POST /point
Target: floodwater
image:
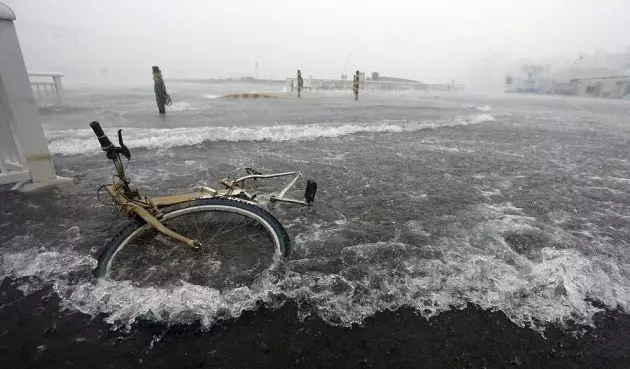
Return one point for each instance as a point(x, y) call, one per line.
point(426, 200)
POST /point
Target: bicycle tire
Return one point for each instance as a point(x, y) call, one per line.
point(258, 217)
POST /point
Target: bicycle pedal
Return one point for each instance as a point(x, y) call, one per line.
point(311, 190)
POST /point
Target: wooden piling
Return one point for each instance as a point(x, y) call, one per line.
point(355, 86)
point(161, 97)
point(300, 83)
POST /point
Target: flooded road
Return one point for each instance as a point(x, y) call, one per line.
point(426, 202)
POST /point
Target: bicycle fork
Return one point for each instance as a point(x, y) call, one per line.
point(155, 223)
point(151, 219)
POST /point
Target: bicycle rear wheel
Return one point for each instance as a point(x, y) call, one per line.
point(239, 241)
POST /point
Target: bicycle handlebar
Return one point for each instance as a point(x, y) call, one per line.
point(112, 152)
point(106, 144)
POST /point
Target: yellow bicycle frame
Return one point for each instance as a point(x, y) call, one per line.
point(149, 208)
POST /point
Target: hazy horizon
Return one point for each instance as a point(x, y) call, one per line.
point(119, 41)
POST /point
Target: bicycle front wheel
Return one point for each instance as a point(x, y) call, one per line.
point(239, 241)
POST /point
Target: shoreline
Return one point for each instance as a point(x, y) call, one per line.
point(37, 334)
point(228, 81)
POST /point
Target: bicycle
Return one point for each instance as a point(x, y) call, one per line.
point(162, 225)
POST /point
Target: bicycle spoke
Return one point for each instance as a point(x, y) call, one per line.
point(210, 217)
point(242, 238)
point(231, 229)
point(235, 249)
point(195, 222)
point(222, 226)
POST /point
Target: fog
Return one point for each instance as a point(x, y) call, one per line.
point(117, 41)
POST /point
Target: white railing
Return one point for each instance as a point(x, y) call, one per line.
point(46, 90)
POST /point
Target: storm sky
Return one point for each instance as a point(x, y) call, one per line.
point(428, 40)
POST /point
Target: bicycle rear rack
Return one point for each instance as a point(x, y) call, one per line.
point(237, 187)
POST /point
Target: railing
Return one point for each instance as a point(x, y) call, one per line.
point(47, 91)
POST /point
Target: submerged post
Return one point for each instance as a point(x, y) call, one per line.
point(300, 83)
point(355, 86)
point(161, 97)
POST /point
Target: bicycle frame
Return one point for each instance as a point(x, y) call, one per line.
point(149, 208)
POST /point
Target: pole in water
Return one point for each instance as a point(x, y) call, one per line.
point(300, 83)
point(355, 86)
point(161, 97)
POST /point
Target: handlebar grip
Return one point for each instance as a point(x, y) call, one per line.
point(106, 144)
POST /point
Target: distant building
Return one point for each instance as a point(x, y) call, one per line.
point(600, 74)
point(533, 78)
point(611, 87)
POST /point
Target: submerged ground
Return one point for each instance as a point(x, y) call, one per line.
point(449, 230)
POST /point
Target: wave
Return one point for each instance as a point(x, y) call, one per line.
point(533, 286)
point(81, 141)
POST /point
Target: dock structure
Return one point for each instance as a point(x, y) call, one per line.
point(324, 84)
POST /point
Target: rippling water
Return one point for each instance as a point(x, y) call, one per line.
point(514, 203)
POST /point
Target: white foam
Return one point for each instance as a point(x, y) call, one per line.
point(481, 118)
point(484, 108)
point(124, 302)
point(210, 96)
point(181, 106)
point(81, 141)
point(471, 264)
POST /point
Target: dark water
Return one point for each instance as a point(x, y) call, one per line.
point(513, 203)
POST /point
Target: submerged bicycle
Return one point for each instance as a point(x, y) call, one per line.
point(180, 236)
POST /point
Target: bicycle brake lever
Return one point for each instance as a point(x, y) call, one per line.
point(252, 171)
point(123, 148)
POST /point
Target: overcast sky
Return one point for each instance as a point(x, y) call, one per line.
point(432, 41)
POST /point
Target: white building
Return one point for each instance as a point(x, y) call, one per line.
point(615, 87)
